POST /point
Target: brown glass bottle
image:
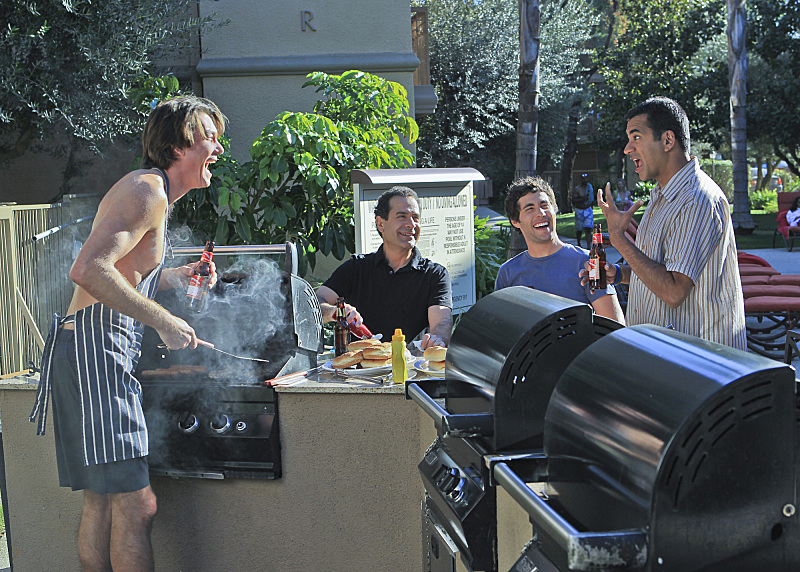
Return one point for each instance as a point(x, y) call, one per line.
point(597, 261)
point(200, 282)
point(340, 329)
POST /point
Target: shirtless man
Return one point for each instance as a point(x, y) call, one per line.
point(90, 355)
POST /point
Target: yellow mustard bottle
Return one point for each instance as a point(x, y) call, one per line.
point(399, 371)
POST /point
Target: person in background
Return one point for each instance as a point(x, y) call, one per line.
point(394, 287)
point(90, 355)
point(624, 201)
point(549, 264)
point(793, 216)
point(581, 197)
point(682, 269)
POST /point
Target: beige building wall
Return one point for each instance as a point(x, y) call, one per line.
point(255, 66)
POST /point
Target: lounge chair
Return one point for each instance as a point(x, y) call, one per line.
point(788, 233)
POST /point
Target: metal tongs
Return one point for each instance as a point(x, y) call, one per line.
point(212, 347)
point(345, 375)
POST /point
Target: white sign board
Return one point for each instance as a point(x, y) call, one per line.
point(447, 234)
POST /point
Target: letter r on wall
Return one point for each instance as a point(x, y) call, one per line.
point(305, 20)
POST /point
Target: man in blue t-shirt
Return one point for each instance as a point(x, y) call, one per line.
point(549, 264)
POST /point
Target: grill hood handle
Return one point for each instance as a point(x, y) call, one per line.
point(448, 424)
point(584, 550)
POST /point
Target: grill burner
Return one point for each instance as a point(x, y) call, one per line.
point(210, 415)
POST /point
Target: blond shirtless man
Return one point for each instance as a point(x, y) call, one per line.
point(90, 355)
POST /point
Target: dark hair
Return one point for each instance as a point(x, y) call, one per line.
point(522, 187)
point(664, 114)
point(382, 207)
point(795, 204)
point(171, 125)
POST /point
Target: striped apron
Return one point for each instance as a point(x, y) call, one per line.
point(107, 347)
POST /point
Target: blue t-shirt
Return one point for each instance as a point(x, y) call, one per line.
point(556, 274)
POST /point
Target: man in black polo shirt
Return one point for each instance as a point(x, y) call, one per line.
point(394, 287)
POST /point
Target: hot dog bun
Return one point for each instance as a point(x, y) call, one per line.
point(368, 363)
point(347, 359)
point(362, 344)
point(436, 365)
point(435, 353)
point(380, 351)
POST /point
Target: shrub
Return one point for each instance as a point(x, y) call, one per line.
point(766, 200)
point(491, 245)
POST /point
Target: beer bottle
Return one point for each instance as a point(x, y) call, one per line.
point(200, 282)
point(340, 329)
point(597, 260)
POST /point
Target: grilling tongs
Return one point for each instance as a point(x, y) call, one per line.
point(211, 347)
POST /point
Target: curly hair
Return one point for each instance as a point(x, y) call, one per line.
point(522, 187)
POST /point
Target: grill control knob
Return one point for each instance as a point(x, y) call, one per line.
point(241, 427)
point(458, 492)
point(220, 424)
point(188, 424)
point(448, 481)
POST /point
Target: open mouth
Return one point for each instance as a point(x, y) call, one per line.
point(543, 224)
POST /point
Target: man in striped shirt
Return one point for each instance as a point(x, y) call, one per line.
point(89, 357)
point(682, 269)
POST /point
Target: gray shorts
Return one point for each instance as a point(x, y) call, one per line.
point(117, 477)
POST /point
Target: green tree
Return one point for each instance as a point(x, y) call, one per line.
point(71, 66)
point(474, 51)
point(655, 53)
point(297, 184)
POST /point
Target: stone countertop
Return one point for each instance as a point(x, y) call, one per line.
point(24, 381)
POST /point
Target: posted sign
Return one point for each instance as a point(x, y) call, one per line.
point(447, 234)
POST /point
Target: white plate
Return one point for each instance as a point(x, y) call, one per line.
point(423, 366)
point(328, 366)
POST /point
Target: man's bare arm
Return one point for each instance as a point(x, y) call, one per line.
point(671, 287)
point(609, 307)
point(137, 210)
point(327, 302)
point(440, 325)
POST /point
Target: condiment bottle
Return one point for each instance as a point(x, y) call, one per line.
point(200, 282)
point(361, 332)
point(340, 329)
point(399, 371)
point(597, 260)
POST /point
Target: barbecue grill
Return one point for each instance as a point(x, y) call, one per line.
point(211, 415)
point(664, 452)
point(504, 360)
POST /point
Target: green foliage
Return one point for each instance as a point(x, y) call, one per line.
point(474, 63)
point(656, 53)
point(297, 184)
point(491, 245)
point(643, 190)
point(722, 173)
point(765, 200)
point(72, 65)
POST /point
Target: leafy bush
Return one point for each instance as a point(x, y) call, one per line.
point(722, 173)
point(297, 184)
point(491, 245)
point(642, 190)
point(766, 200)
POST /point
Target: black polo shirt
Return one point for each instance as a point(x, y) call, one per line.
point(387, 299)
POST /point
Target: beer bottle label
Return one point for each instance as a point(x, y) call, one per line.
point(206, 257)
point(193, 291)
point(594, 270)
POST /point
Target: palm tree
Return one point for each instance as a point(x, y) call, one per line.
point(737, 78)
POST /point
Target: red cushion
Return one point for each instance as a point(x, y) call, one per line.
point(771, 304)
point(784, 279)
point(755, 279)
point(770, 290)
point(745, 258)
point(756, 270)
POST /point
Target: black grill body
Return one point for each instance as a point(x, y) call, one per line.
point(223, 422)
point(506, 356)
point(691, 442)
